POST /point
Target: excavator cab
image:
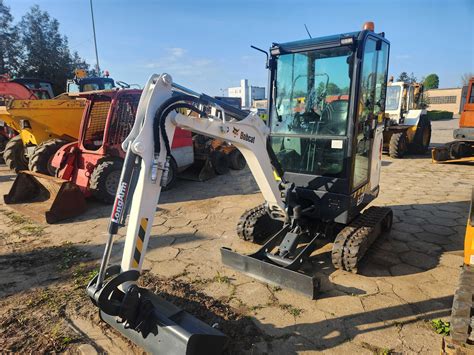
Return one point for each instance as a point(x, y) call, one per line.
point(326, 108)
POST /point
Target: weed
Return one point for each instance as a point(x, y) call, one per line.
point(256, 308)
point(83, 275)
point(376, 349)
point(441, 327)
point(15, 217)
point(221, 278)
point(276, 288)
point(31, 230)
point(70, 255)
point(295, 312)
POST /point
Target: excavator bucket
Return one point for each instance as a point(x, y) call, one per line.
point(45, 198)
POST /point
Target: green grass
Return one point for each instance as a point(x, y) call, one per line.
point(221, 278)
point(70, 255)
point(295, 312)
point(15, 217)
point(440, 326)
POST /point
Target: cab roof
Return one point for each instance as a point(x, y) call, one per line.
point(312, 43)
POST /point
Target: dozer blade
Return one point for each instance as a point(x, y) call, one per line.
point(45, 198)
point(201, 170)
point(175, 331)
point(264, 270)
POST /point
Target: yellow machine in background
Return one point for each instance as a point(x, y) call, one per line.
point(408, 128)
point(43, 126)
point(46, 125)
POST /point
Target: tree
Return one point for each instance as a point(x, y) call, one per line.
point(431, 82)
point(9, 42)
point(46, 52)
point(407, 78)
point(465, 78)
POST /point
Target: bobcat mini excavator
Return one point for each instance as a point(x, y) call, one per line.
point(326, 157)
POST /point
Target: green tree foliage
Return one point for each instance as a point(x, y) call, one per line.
point(46, 52)
point(9, 42)
point(431, 82)
point(407, 78)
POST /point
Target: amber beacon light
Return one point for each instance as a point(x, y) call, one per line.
point(369, 26)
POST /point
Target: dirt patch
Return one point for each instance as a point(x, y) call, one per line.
point(239, 327)
point(37, 319)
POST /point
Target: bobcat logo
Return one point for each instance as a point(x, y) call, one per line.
point(235, 131)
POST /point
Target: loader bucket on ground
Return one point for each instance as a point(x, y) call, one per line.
point(176, 332)
point(45, 198)
point(201, 170)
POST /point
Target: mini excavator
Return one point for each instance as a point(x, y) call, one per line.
point(317, 164)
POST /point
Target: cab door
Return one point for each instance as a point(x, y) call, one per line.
point(370, 110)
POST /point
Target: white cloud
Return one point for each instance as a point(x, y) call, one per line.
point(177, 61)
point(176, 52)
point(403, 56)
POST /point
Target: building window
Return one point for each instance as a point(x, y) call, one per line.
point(441, 100)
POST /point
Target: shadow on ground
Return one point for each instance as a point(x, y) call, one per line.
point(24, 270)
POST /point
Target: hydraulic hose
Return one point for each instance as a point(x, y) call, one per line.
point(183, 101)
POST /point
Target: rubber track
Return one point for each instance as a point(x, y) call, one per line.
point(354, 240)
point(462, 313)
point(256, 225)
point(248, 220)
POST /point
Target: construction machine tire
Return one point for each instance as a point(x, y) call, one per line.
point(421, 141)
point(172, 175)
point(398, 145)
point(256, 225)
point(105, 178)
point(220, 162)
point(3, 144)
point(43, 154)
point(14, 155)
point(237, 160)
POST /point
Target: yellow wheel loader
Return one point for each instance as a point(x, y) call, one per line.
point(408, 129)
point(461, 339)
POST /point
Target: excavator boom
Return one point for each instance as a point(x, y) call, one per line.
point(145, 169)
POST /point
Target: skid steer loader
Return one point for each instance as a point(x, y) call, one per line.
point(327, 157)
point(462, 149)
point(408, 129)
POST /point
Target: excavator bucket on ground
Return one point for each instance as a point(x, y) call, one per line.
point(45, 198)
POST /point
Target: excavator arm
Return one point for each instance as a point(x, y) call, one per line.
point(145, 318)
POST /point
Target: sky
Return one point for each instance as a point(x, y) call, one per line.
point(205, 44)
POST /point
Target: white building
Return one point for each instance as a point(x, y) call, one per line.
point(247, 93)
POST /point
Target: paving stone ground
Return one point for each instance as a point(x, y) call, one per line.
point(407, 278)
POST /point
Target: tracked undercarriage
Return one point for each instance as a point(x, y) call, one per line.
point(288, 249)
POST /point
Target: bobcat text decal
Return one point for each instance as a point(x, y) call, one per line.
point(245, 137)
